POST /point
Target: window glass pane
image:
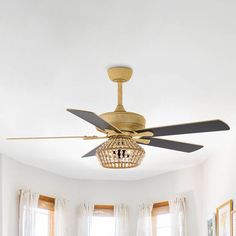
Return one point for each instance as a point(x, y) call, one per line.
point(103, 226)
point(43, 222)
point(163, 225)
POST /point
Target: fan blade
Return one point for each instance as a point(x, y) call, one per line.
point(198, 127)
point(173, 145)
point(59, 137)
point(94, 119)
point(92, 152)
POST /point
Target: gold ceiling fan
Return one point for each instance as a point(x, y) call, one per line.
point(126, 130)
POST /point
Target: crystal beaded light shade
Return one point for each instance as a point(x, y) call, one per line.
point(120, 152)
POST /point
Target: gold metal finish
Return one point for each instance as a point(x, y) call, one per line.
point(109, 133)
point(143, 141)
point(120, 73)
point(125, 121)
point(120, 93)
point(59, 137)
point(94, 137)
point(143, 134)
point(122, 150)
point(120, 106)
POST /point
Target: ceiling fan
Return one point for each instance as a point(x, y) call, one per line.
point(125, 130)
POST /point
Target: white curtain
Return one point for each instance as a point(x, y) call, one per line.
point(121, 220)
point(144, 227)
point(27, 214)
point(60, 217)
point(85, 219)
point(178, 216)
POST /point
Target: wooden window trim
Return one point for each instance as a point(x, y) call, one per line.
point(104, 210)
point(107, 207)
point(160, 204)
point(154, 214)
point(48, 203)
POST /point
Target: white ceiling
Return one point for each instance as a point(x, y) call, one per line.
point(54, 55)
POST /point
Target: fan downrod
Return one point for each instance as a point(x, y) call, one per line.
point(120, 75)
point(120, 118)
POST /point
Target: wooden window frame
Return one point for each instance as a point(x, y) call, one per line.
point(103, 210)
point(48, 203)
point(154, 214)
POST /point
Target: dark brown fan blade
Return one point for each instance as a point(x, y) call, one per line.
point(198, 127)
point(93, 119)
point(92, 152)
point(173, 145)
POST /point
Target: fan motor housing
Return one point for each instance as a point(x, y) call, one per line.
point(125, 121)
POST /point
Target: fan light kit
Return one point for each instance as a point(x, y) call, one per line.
point(126, 130)
point(120, 152)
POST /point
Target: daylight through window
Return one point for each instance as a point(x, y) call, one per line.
point(45, 217)
point(161, 219)
point(103, 222)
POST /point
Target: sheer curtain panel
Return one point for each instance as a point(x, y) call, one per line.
point(60, 217)
point(27, 213)
point(121, 220)
point(144, 226)
point(178, 216)
point(85, 219)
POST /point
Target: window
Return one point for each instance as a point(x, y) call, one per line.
point(103, 222)
point(161, 219)
point(45, 217)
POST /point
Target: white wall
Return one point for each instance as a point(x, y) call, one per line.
point(18, 176)
point(1, 192)
point(219, 173)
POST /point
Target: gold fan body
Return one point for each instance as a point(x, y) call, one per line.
point(125, 121)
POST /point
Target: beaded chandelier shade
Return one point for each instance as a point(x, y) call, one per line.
point(120, 152)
